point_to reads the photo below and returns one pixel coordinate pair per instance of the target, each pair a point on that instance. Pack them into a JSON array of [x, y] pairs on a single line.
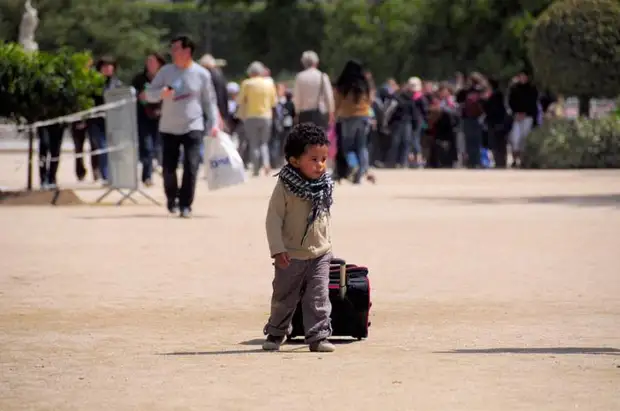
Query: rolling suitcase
[[349, 293]]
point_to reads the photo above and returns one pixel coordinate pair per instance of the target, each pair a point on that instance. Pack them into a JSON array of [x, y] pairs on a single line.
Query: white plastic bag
[[223, 164]]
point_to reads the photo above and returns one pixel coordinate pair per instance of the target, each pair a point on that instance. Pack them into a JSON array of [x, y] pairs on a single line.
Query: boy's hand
[[282, 260]]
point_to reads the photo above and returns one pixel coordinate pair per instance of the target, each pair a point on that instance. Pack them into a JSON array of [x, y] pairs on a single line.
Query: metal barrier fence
[[121, 125]]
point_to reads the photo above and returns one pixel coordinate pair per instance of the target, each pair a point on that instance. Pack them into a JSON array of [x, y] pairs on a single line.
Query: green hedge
[[574, 48], [569, 144]]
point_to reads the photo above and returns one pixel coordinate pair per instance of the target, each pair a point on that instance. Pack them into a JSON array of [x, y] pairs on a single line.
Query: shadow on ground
[[298, 341], [594, 200], [549, 350], [300, 347], [132, 216], [217, 352]]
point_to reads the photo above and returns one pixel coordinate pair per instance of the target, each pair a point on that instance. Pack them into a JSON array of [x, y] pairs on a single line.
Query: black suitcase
[[349, 293]]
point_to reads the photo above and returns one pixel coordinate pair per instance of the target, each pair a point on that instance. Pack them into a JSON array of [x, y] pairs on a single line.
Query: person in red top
[[470, 103]]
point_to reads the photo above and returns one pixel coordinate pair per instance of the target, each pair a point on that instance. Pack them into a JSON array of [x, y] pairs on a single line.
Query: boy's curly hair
[[301, 137]]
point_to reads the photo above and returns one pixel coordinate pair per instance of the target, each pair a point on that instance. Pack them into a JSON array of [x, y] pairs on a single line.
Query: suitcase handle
[[343, 276]]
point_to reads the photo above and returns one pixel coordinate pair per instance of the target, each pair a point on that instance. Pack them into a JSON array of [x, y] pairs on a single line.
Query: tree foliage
[[483, 35], [575, 48], [381, 35], [40, 85], [431, 39], [102, 27], [279, 32], [396, 38]]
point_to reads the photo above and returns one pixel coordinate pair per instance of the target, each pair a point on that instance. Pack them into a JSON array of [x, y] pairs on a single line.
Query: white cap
[[232, 88]]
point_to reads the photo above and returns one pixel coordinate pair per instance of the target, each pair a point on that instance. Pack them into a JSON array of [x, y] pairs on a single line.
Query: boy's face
[[313, 162]]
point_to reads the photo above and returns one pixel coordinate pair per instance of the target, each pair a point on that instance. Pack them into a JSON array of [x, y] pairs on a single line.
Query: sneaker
[[173, 208], [272, 343], [322, 346], [185, 213]]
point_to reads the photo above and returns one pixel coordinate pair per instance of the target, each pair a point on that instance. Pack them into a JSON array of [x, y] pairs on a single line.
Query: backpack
[[391, 104]]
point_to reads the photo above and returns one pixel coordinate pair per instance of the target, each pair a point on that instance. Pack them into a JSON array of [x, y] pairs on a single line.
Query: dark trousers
[[172, 144], [50, 143], [498, 139], [79, 138], [401, 144], [307, 280], [473, 141], [276, 147], [148, 136], [96, 131], [442, 153]]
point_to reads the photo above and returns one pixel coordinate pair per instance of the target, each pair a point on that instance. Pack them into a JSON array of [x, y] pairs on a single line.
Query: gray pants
[[258, 133], [307, 280]]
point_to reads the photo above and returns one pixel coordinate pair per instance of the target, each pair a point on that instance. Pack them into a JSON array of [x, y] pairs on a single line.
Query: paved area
[[492, 291]]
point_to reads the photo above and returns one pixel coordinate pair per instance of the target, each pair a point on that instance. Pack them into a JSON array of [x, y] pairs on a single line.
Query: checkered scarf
[[319, 191]]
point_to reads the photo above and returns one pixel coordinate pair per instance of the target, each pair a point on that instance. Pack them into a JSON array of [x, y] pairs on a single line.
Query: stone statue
[[29, 23]]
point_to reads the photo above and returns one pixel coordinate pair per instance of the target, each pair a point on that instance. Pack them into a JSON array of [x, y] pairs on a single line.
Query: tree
[[575, 49], [113, 27], [280, 31], [380, 34], [38, 86], [483, 35]]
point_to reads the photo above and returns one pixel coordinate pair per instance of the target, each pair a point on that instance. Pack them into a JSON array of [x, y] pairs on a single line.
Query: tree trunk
[[584, 106], [30, 157]]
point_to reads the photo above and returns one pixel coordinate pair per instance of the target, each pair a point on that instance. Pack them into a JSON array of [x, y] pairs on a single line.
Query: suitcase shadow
[[218, 352], [299, 341]]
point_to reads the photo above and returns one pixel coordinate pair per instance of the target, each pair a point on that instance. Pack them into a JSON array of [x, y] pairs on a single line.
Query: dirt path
[[492, 291]]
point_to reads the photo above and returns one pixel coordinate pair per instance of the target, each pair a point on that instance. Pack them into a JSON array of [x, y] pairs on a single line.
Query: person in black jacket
[[399, 116], [149, 141], [498, 122], [443, 125], [523, 101], [219, 85]]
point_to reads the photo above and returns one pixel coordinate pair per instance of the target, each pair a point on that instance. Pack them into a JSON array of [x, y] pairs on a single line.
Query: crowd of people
[[468, 121]]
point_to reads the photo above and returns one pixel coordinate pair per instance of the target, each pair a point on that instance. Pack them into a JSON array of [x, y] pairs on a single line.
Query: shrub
[[37, 86], [575, 48], [580, 143]]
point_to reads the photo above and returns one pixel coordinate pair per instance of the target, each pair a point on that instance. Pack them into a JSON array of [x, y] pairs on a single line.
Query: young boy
[[298, 232]]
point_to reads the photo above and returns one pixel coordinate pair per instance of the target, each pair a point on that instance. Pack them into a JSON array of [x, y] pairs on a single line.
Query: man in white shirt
[[313, 96]]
